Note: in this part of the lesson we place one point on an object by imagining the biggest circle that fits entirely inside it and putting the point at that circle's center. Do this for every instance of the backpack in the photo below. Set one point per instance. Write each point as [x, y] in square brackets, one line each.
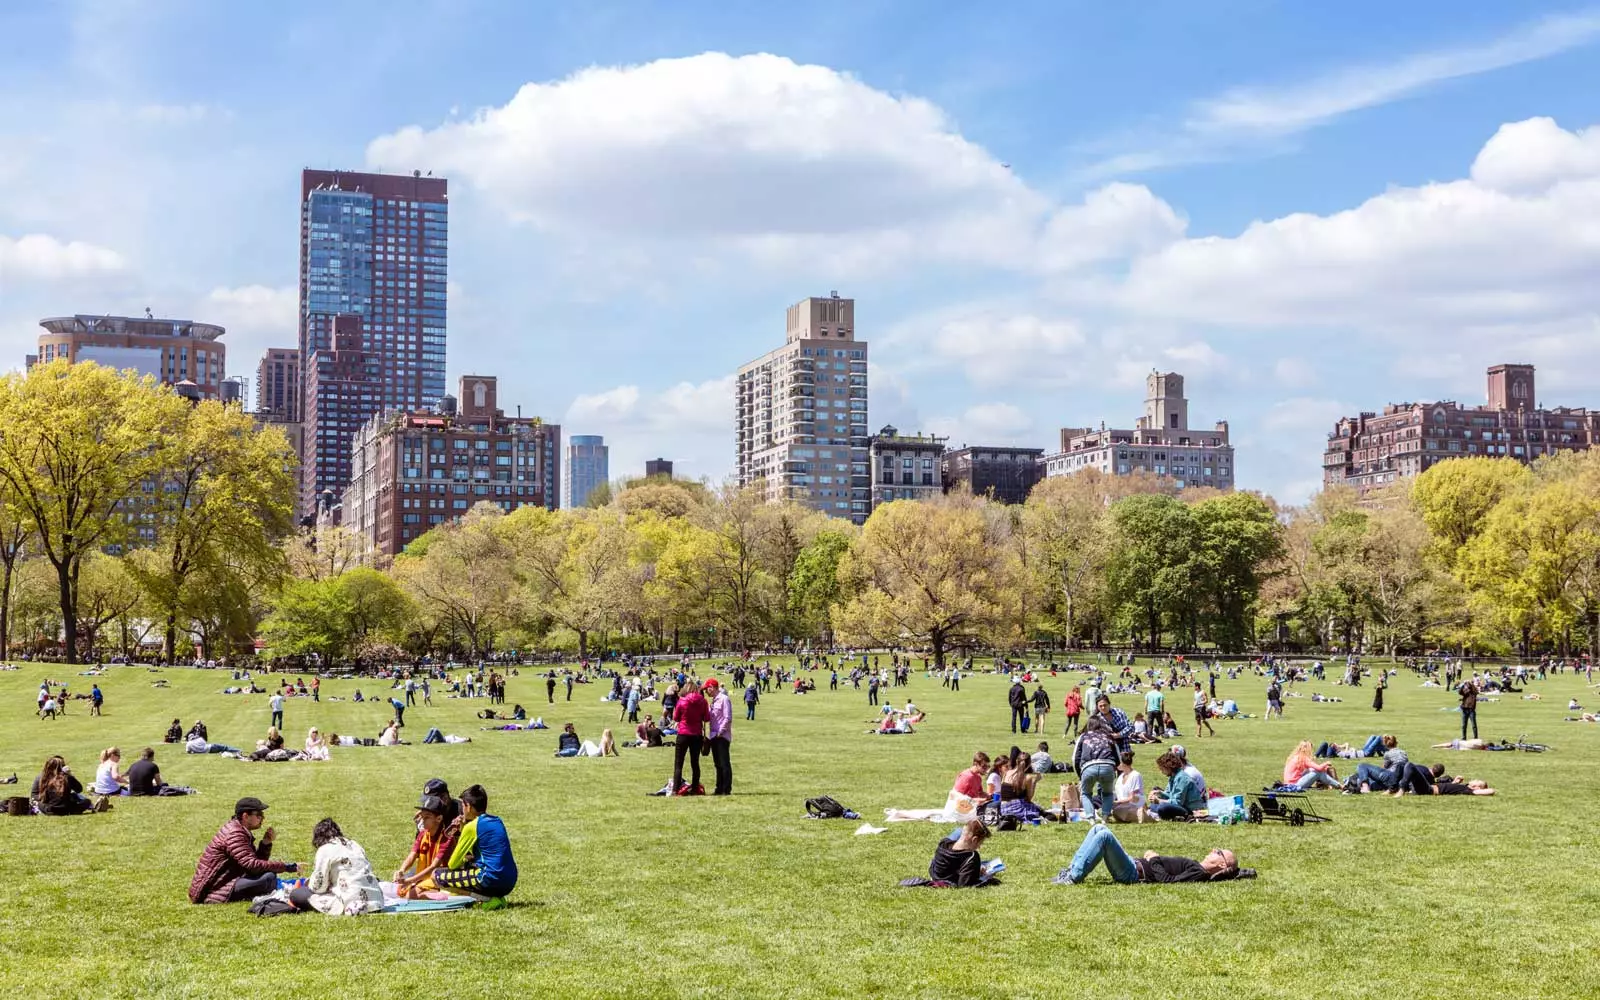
[18, 805]
[825, 807]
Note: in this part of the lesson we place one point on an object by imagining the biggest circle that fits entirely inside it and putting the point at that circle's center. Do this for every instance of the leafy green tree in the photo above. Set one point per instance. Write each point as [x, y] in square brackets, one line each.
[1454, 497]
[1151, 574]
[81, 452]
[1238, 538]
[813, 584]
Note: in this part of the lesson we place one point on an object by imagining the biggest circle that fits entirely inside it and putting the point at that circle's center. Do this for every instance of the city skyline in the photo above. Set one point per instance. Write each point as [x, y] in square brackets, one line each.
[1304, 230]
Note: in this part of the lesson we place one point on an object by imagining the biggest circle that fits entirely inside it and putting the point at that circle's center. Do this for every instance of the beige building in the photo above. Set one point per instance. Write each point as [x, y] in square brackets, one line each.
[905, 466]
[173, 350]
[1161, 442]
[801, 413]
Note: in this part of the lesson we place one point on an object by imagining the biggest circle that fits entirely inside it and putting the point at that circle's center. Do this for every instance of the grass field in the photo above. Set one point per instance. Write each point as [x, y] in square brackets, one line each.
[623, 895]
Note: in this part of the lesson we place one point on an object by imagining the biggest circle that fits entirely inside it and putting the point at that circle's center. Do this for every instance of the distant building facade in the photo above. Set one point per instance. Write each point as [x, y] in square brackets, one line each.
[801, 413]
[588, 467]
[1371, 450]
[278, 385]
[1160, 442]
[341, 386]
[412, 471]
[1002, 473]
[173, 350]
[905, 466]
[658, 467]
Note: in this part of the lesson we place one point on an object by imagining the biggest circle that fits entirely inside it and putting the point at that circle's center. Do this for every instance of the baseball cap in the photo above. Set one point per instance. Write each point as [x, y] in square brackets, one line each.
[1177, 750]
[712, 683]
[432, 803]
[249, 804]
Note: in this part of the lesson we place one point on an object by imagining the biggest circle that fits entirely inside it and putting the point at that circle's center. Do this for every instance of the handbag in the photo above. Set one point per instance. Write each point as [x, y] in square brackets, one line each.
[1070, 798]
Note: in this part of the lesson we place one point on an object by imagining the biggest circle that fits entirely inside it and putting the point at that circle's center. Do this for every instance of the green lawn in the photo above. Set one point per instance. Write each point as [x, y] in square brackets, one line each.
[623, 895]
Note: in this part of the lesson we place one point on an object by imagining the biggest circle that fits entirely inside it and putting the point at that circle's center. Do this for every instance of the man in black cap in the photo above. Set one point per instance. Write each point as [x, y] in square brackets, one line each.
[232, 867]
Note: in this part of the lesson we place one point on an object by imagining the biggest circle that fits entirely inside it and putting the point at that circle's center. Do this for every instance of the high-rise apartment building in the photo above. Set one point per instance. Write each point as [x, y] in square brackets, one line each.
[173, 350]
[372, 246]
[1161, 442]
[278, 385]
[414, 471]
[905, 466]
[341, 384]
[1371, 450]
[801, 413]
[588, 467]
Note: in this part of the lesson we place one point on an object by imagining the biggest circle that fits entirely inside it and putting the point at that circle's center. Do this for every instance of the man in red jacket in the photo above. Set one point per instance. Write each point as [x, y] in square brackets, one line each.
[232, 868]
[690, 714]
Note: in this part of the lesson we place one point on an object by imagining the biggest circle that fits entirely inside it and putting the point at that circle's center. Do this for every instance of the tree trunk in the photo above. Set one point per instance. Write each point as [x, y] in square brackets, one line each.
[937, 639]
[5, 608]
[69, 609]
[172, 635]
[583, 644]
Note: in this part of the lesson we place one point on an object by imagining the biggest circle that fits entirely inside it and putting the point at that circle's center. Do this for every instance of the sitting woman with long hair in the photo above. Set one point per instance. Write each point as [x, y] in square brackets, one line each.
[57, 792]
[342, 882]
[1303, 771]
[316, 746]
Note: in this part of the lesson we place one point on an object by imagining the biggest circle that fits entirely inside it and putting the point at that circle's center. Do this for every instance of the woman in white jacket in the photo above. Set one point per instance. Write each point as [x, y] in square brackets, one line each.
[342, 882]
[316, 746]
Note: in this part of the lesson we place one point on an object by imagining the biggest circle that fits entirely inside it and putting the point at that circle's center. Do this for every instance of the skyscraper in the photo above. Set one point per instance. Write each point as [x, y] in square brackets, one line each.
[278, 385]
[588, 467]
[801, 412]
[373, 247]
[340, 385]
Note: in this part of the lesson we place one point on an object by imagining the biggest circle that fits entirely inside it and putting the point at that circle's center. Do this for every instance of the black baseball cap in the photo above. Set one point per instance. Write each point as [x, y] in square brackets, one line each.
[249, 804]
[433, 804]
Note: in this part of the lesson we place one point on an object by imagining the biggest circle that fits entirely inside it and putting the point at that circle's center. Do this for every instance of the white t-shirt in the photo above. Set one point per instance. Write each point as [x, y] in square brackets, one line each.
[1130, 785]
[276, 701]
[104, 783]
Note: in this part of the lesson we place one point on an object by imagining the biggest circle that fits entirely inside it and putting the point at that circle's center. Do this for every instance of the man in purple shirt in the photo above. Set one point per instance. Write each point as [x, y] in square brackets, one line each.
[720, 735]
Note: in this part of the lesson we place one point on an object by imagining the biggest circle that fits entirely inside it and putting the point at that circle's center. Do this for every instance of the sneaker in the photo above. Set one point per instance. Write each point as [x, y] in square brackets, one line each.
[698, 790]
[1065, 878]
[493, 903]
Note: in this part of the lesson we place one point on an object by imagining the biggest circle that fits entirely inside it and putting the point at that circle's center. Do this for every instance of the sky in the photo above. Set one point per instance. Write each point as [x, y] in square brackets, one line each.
[1307, 210]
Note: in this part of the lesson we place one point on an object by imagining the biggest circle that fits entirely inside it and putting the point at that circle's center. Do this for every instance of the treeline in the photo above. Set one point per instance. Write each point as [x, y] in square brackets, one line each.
[127, 512]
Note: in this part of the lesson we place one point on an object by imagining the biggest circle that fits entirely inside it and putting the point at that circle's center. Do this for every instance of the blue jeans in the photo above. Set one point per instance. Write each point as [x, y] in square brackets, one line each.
[1311, 779]
[1101, 845]
[1377, 777]
[1374, 746]
[1104, 777]
[1170, 810]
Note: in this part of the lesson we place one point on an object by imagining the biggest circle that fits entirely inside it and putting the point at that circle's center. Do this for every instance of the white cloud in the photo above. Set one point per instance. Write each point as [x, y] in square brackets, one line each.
[1244, 118]
[690, 423]
[37, 257]
[1304, 417]
[996, 350]
[985, 424]
[1532, 155]
[1294, 373]
[1114, 222]
[1432, 258]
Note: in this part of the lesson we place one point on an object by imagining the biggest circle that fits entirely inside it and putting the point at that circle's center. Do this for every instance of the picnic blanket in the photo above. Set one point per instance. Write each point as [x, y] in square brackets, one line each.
[428, 905]
[958, 808]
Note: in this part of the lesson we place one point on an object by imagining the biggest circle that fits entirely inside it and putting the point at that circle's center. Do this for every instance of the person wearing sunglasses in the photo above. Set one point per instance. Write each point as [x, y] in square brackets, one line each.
[233, 866]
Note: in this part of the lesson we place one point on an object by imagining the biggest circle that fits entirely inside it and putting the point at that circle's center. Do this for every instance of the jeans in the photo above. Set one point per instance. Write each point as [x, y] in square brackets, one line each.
[872, 696]
[1101, 845]
[750, 710]
[1377, 777]
[723, 763]
[277, 720]
[1170, 810]
[1373, 747]
[1017, 715]
[1104, 777]
[686, 746]
[249, 887]
[1312, 779]
[1469, 715]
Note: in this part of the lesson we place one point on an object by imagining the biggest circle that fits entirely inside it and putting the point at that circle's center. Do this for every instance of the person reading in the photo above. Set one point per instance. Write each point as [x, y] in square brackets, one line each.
[482, 863]
[956, 859]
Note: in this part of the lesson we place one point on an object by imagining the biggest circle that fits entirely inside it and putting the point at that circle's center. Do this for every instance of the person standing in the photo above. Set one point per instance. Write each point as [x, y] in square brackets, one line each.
[1274, 698]
[1378, 688]
[872, 689]
[550, 686]
[569, 695]
[720, 736]
[316, 689]
[276, 703]
[96, 699]
[1468, 692]
[1202, 713]
[411, 692]
[1155, 702]
[1041, 708]
[1018, 698]
[233, 866]
[1073, 707]
[752, 697]
[399, 712]
[689, 716]
[427, 692]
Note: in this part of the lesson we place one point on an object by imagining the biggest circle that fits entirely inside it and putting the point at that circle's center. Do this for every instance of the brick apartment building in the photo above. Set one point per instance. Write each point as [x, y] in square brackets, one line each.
[1004, 474]
[175, 351]
[1371, 450]
[1161, 442]
[412, 471]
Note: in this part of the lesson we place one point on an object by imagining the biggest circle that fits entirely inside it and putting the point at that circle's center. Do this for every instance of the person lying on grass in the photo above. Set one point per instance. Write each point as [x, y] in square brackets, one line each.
[956, 859]
[1101, 844]
[1433, 781]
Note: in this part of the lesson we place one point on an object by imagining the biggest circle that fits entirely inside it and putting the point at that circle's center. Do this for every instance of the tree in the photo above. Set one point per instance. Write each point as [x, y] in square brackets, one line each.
[226, 494]
[1237, 539]
[1151, 575]
[13, 535]
[459, 575]
[813, 584]
[573, 567]
[1455, 496]
[1067, 520]
[925, 572]
[81, 450]
[311, 617]
[106, 592]
[324, 552]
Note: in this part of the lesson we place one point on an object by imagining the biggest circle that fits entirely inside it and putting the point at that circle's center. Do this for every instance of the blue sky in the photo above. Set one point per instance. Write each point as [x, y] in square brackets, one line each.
[1306, 209]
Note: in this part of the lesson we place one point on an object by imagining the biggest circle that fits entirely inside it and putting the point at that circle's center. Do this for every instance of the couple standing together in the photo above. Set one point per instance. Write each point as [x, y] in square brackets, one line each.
[700, 707]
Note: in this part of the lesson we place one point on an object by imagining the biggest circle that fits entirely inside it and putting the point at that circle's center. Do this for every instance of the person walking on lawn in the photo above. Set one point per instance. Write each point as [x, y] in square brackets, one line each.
[1018, 698]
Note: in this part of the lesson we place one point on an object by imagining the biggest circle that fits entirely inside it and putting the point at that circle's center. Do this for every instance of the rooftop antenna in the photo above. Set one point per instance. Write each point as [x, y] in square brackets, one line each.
[148, 314]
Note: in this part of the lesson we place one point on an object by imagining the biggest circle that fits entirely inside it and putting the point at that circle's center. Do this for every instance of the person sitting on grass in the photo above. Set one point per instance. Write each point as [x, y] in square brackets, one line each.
[1101, 845]
[342, 882]
[436, 839]
[608, 744]
[568, 744]
[1182, 796]
[1127, 805]
[233, 867]
[956, 861]
[1302, 771]
[970, 781]
[390, 737]
[144, 777]
[57, 791]
[174, 733]
[316, 746]
[482, 863]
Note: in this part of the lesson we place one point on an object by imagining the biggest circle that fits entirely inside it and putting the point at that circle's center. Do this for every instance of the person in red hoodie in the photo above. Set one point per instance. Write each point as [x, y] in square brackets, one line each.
[690, 714]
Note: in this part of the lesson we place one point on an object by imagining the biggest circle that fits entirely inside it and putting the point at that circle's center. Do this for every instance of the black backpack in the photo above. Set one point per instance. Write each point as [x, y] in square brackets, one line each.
[824, 807]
